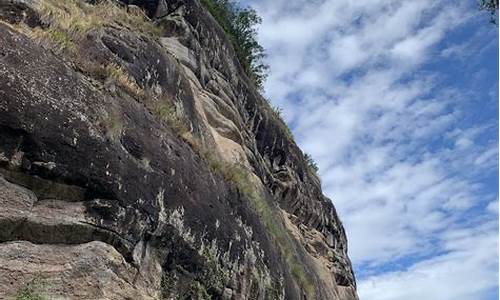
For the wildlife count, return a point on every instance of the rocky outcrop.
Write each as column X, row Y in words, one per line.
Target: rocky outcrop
column 138, row 161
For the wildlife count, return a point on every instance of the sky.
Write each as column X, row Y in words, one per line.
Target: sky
column 397, row 102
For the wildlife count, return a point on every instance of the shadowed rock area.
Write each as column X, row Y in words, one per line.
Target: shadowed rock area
column 138, row 161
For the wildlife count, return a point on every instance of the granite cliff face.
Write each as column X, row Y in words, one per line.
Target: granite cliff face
column 138, row 161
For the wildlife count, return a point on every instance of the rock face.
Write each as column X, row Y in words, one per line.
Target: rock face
column 138, row 161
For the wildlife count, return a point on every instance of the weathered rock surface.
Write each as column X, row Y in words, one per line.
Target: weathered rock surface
column 103, row 197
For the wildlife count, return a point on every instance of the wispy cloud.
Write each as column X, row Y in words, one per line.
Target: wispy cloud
column 376, row 91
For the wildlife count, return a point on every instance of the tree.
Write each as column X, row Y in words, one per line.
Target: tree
column 490, row 6
column 311, row 163
column 239, row 25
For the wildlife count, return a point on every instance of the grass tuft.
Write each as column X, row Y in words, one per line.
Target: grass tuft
column 118, row 76
column 278, row 115
column 167, row 113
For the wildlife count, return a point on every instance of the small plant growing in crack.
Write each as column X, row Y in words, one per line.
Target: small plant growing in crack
column 33, row 290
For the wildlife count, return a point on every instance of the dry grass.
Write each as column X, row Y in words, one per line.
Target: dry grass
column 165, row 110
column 53, row 38
column 67, row 22
column 110, row 74
column 76, row 18
column 118, row 76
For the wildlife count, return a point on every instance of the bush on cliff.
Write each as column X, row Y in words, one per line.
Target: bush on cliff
column 239, row 25
column 491, row 6
column 311, row 163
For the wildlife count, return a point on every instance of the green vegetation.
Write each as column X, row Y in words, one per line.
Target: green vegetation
column 197, row 292
column 167, row 113
column 167, row 287
column 110, row 74
column 491, row 6
column 26, row 294
column 31, row 291
column 241, row 178
column 311, row 163
column 239, row 25
column 215, row 276
column 69, row 21
column 278, row 114
column 61, row 39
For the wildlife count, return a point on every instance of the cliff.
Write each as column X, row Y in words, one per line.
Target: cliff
column 138, row 161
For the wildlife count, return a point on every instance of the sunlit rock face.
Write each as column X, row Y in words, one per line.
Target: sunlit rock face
column 138, row 161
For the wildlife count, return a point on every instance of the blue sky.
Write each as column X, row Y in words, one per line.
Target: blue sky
column 397, row 101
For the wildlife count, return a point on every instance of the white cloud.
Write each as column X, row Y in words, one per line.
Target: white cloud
column 403, row 169
column 467, row 270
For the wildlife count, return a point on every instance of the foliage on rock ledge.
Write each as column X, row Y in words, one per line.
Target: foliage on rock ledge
column 311, row 163
column 491, row 6
column 239, row 25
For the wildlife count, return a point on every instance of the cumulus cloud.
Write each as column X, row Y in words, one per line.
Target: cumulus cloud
column 366, row 88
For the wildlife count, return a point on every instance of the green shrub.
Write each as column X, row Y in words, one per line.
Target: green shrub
column 311, row 163
column 278, row 114
column 239, row 25
column 61, row 38
column 491, row 6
